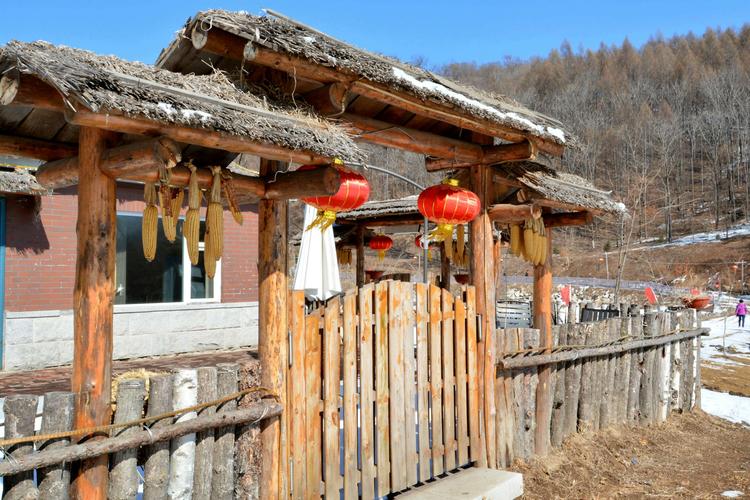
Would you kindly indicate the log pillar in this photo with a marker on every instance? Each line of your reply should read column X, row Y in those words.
column 272, row 332
column 360, row 255
column 445, row 269
column 93, row 299
column 482, row 270
column 543, row 322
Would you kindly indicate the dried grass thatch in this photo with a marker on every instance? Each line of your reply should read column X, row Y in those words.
column 19, row 181
column 293, row 39
column 107, row 84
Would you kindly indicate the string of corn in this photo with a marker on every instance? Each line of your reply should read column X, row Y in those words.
column 167, row 220
column 515, row 239
column 228, row 185
column 215, row 216
column 149, row 225
column 191, row 229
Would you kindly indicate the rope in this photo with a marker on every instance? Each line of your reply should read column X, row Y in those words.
column 139, row 422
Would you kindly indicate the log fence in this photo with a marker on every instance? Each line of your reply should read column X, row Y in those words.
column 186, row 454
column 629, row 370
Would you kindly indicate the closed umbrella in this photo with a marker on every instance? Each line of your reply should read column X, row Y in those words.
column 317, row 267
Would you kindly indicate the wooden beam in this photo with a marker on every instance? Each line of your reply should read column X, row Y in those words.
column 93, row 299
column 508, row 212
column 200, row 137
column 26, row 90
column 542, row 308
column 329, row 99
column 301, row 183
column 226, row 44
column 568, row 219
column 273, row 325
column 35, row 148
column 417, row 141
column 491, row 155
column 360, row 255
column 482, row 267
column 390, row 220
column 131, row 161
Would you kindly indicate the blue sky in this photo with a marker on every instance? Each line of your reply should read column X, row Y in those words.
column 440, row 31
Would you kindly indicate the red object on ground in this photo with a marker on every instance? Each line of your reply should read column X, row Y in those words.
column 695, row 292
column 650, row 295
column 565, row 294
column 696, row 302
column 461, row 279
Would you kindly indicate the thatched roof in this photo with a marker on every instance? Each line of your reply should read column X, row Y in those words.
column 19, row 181
column 381, row 208
column 107, row 84
column 564, row 188
column 293, row 39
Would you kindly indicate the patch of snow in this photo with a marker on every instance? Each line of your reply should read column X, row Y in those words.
column 732, row 494
column 441, row 89
column 708, row 237
column 166, row 107
column 309, row 39
column 188, row 114
column 724, row 333
column 727, row 406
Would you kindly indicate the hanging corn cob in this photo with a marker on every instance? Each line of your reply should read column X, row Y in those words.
column 167, row 219
column 215, row 217
column 228, row 185
column 516, row 240
column 209, row 258
column 448, row 248
column 344, row 256
column 150, row 224
column 191, row 229
column 460, row 243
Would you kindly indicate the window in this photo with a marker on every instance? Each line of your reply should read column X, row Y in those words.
column 165, row 279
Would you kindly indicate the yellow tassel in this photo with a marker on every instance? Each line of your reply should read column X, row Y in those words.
column 448, row 248
column 323, row 220
column 442, row 232
column 381, row 255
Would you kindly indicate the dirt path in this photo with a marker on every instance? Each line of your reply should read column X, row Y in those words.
column 690, row 456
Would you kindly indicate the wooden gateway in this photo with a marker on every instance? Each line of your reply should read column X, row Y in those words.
column 380, row 389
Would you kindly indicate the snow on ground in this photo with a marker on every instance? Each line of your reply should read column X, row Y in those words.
column 707, row 237
column 725, row 332
column 727, row 406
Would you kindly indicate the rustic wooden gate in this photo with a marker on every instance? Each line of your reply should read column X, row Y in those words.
column 383, row 390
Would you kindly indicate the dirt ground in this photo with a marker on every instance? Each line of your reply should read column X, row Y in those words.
column 734, row 379
column 689, row 456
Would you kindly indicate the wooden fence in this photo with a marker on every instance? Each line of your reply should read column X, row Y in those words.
column 632, row 370
column 188, row 456
column 383, row 390
column 513, row 314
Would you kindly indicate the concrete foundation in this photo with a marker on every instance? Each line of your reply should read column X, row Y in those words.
column 471, row 484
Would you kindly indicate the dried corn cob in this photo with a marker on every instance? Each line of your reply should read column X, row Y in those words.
column 215, row 216
column 460, row 243
column 167, row 220
column 229, row 194
column 448, row 249
column 191, row 229
column 515, row 239
column 528, row 241
column 209, row 258
column 150, row 224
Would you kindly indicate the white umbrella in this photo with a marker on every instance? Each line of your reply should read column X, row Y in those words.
column 317, row 267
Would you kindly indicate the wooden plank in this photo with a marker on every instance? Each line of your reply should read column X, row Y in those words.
column 93, row 302
column 530, row 388
column 459, row 351
column 351, row 473
column 297, row 397
column 20, row 413
column 475, row 446
column 331, row 385
column 664, row 371
column 367, row 388
column 622, row 374
column 123, row 475
column 646, row 393
column 410, row 374
column 381, row 388
column 423, row 381
column 57, row 416
column 182, row 460
column 588, row 385
column 156, row 468
column 396, row 377
column 449, row 383
column 313, row 402
column 573, row 383
column 636, row 359
column 222, row 480
column 607, row 408
column 204, row 443
column 436, row 381
column 557, row 429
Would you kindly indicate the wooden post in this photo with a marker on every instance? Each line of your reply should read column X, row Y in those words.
column 360, row 255
column 483, row 279
column 124, row 475
column 272, row 331
column 445, row 269
column 93, row 298
column 543, row 322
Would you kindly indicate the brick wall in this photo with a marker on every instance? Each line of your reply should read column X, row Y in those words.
column 41, row 248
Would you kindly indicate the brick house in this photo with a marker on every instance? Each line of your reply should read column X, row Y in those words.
column 157, row 310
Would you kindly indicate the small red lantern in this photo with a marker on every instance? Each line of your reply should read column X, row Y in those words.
column 418, row 243
column 381, row 243
column 353, row 192
column 447, row 205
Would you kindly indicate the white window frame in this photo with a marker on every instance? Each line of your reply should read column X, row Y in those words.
column 186, row 298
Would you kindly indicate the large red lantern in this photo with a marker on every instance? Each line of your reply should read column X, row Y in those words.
column 353, row 192
column 381, row 243
column 446, row 205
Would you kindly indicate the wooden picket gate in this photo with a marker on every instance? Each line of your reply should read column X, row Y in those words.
column 382, row 390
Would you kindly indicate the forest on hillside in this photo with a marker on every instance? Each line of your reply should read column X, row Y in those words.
column 666, row 127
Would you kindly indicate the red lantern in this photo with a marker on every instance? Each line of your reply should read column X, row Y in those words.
column 447, row 205
column 381, row 243
column 352, row 193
